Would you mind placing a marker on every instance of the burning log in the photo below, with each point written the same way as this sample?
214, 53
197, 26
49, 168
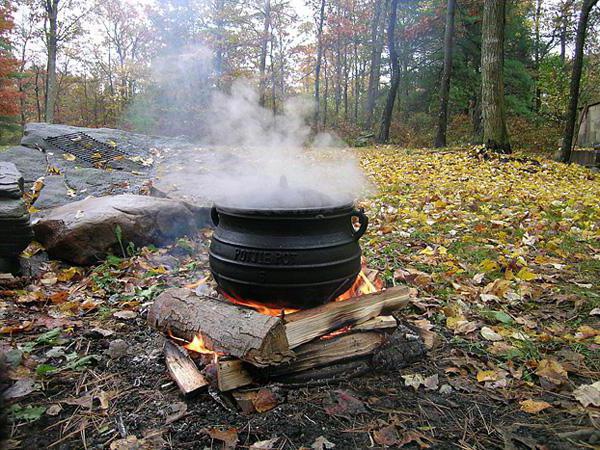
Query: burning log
304, 326
222, 327
183, 370
325, 352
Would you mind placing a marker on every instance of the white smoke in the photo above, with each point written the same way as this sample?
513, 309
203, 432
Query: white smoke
251, 157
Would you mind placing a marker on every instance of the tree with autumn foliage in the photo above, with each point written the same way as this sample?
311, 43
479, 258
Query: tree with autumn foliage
9, 95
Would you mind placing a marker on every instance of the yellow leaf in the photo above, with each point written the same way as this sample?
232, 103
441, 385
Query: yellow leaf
487, 375
68, 274
534, 406
487, 265
551, 371
526, 275
69, 156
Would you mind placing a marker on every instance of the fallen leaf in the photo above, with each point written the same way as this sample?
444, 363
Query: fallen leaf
551, 371
595, 312
534, 406
487, 375
387, 436
588, 394
321, 443
125, 315
344, 405
54, 410
431, 383
265, 400
526, 275
414, 436
229, 437
20, 388
413, 380
104, 398
424, 328
490, 334
265, 445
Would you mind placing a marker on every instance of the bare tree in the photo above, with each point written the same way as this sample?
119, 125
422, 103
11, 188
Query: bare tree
321, 21
440, 140
377, 35
567, 144
51, 8
386, 118
264, 42
495, 133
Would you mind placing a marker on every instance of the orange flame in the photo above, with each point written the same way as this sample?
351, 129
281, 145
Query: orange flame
197, 345
260, 308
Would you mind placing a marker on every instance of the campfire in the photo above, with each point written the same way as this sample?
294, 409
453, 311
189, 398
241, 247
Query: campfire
229, 345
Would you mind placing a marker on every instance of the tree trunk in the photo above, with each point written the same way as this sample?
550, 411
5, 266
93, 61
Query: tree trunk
263, 51
51, 47
37, 94
495, 133
377, 34
386, 118
219, 46
326, 93
440, 140
567, 144
318, 65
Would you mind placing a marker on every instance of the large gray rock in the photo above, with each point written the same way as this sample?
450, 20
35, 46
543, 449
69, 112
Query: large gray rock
15, 229
11, 181
30, 162
134, 143
83, 232
54, 193
87, 181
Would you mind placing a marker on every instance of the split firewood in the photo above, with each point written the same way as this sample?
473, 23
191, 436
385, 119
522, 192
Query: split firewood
377, 323
304, 326
223, 327
183, 370
231, 374
325, 352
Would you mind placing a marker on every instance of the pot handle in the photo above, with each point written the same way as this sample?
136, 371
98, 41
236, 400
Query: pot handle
214, 216
363, 220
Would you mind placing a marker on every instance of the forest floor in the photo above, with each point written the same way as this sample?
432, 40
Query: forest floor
504, 252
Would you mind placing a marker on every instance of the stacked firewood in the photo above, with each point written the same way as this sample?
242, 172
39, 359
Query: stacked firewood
241, 347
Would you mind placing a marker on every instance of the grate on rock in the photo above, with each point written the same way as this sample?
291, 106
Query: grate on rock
86, 148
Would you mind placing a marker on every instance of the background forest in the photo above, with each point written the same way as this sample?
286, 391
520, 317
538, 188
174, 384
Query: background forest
152, 66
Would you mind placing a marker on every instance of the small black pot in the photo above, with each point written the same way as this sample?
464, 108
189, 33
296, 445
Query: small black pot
296, 258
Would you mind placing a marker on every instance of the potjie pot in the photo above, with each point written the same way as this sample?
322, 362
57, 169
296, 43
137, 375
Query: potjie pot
292, 258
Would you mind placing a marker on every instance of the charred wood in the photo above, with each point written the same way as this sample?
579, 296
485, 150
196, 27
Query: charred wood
224, 328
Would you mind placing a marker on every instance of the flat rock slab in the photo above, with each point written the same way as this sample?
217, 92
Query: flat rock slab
11, 181
54, 193
31, 163
84, 232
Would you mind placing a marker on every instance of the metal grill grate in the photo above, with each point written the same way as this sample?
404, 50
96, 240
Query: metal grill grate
86, 148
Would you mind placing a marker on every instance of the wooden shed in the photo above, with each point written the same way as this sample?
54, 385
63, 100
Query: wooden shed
588, 135
587, 140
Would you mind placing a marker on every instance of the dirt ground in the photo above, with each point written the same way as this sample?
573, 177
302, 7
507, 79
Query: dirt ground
509, 374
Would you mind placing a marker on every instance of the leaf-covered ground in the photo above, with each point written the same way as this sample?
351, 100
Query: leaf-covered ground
504, 253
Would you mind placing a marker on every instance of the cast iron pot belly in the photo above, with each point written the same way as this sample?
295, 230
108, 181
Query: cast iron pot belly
286, 258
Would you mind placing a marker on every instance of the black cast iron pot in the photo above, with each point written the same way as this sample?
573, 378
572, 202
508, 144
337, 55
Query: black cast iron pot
294, 258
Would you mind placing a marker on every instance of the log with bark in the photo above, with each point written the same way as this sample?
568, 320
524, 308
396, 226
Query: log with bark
224, 328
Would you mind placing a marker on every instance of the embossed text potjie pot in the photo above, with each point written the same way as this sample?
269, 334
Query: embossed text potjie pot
294, 258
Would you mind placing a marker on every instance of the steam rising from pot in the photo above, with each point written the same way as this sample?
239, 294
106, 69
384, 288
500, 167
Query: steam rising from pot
252, 158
